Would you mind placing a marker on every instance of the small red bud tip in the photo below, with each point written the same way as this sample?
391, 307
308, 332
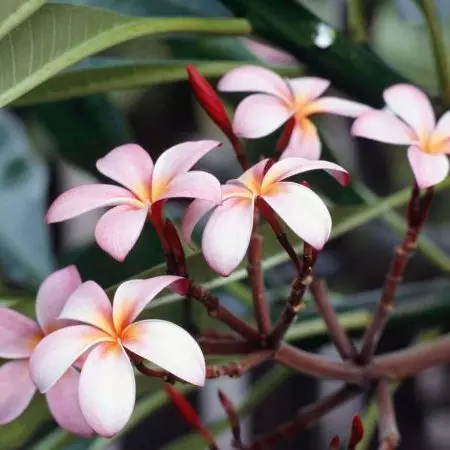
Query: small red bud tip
189, 414
305, 183
335, 443
357, 433
209, 101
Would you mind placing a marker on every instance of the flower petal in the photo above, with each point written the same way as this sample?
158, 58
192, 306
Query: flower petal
304, 142
107, 389
194, 184
250, 78
412, 105
118, 230
253, 177
308, 88
193, 214
429, 169
84, 198
303, 211
441, 135
260, 114
59, 350
340, 106
18, 334
90, 304
62, 400
227, 235
178, 160
288, 167
52, 296
16, 390
382, 126
129, 165
133, 296
168, 346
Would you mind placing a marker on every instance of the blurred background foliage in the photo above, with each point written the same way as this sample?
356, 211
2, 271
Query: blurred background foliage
80, 77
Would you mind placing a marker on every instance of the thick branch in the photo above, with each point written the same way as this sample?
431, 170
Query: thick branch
256, 278
225, 346
304, 419
339, 336
222, 314
295, 300
417, 213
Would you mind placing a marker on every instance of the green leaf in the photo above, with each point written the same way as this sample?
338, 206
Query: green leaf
289, 25
111, 75
14, 12
57, 36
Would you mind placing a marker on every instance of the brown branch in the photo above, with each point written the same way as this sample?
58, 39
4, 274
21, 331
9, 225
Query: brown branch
256, 278
233, 419
225, 346
295, 300
417, 213
304, 419
339, 336
388, 434
236, 369
222, 314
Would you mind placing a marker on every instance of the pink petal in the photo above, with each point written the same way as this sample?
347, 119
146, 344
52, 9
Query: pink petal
260, 114
227, 235
440, 137
304, 142
303, 211
90, 304
52, 296
288, 167
382, 126
253, 177
250, 78
193, 214
16, 390
59, 350
118, 230
81, 199
133, 296
129, 165
429, 169
411, 105
178, 160
168, 346
107, 390
193, 184
308, 88
340, 106
62, 400
269, 54
18, 334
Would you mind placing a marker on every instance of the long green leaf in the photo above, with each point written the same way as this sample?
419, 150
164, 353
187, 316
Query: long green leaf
14, 12
57, 36
120, 75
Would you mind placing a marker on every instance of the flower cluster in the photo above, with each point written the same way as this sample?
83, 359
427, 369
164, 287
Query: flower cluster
82, 349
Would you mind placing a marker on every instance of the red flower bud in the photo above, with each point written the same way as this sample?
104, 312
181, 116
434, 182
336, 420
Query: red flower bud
357, 433
335, 443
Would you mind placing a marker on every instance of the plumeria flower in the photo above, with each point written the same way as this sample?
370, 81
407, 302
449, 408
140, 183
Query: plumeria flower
19, 335
280, 99
227, 233
107, 387
146, 188
410, 121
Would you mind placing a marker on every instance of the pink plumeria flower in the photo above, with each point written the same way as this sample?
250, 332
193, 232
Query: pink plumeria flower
107, 387
146, 188
19, 336
227, 233
415, 126
280, 99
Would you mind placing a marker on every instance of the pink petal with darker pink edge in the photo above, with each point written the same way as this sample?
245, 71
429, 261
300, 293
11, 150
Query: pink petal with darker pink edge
304, 142
168, 346
118, 230
339, 106
193, 214
428, 169
308, 88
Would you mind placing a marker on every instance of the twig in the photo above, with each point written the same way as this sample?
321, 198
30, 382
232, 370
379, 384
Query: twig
389, 437
417, 213
256, 278
233, 419
339, 336
304, 419
236, 369
222, 314
295, 300
225, 346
